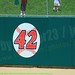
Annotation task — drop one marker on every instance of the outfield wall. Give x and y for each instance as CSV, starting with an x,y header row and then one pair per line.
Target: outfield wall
x,y
57,46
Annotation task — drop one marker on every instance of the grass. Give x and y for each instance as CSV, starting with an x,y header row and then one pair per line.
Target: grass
x,y
25,73
37,7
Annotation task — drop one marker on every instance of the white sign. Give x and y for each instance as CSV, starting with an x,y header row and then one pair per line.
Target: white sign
x,y
26,40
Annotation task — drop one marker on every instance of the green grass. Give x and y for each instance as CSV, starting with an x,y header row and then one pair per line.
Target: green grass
x,y
20,73
37,7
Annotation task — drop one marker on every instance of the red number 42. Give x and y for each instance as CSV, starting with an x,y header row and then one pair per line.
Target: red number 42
x,y
21,39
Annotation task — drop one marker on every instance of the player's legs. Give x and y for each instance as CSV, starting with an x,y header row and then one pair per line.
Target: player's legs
x,y
56,6
23,9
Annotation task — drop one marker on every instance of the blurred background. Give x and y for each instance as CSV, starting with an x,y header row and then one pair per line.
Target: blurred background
x,y
37,7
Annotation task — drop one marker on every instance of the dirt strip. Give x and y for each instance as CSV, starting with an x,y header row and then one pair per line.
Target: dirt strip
x,y
35,71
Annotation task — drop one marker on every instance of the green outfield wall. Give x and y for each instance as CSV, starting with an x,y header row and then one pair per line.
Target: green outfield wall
x,y
57,41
